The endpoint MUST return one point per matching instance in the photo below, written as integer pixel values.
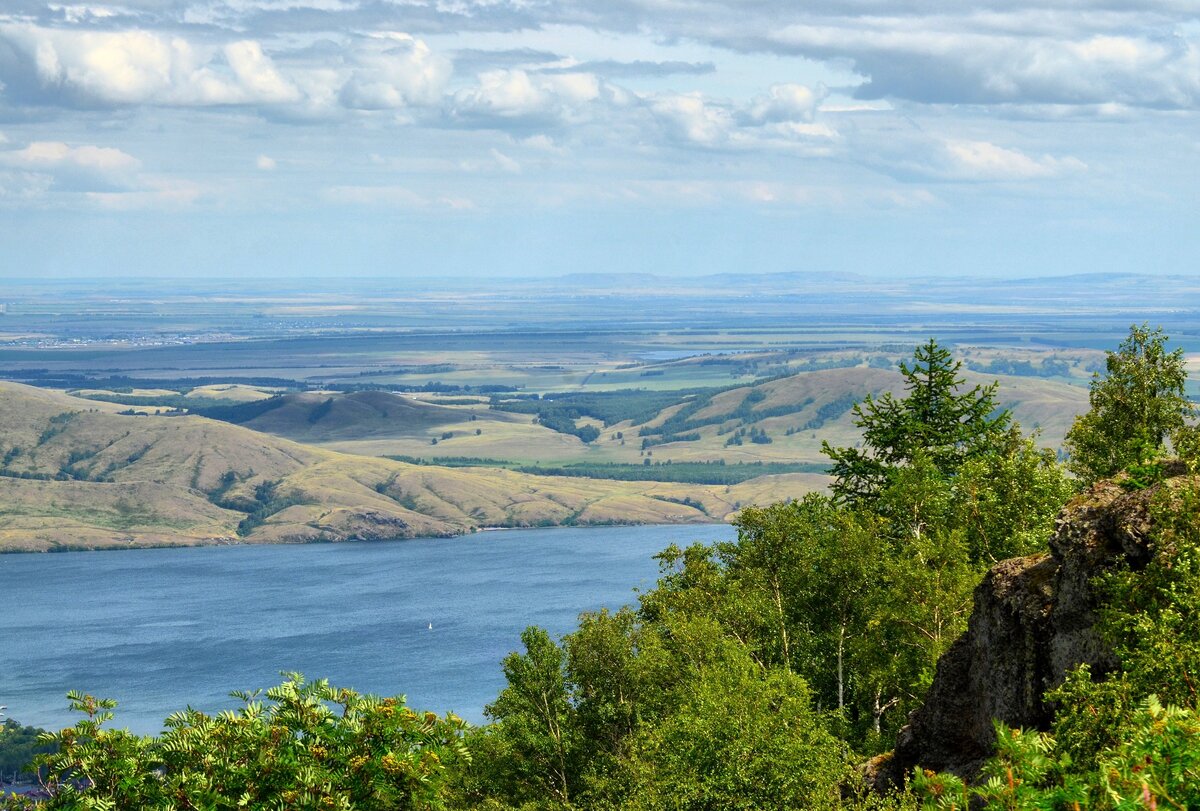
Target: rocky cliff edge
(1033, 620)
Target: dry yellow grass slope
(74, 475)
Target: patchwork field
(796, 413)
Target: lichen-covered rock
(1034, 619)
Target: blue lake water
(159, 629)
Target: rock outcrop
(1033, 620)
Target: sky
(502, 138)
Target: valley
(261, 419)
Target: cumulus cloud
(135, 67)
(101, 176)
(784, 102)
(691, 119)
(59, 166)
(265, 162)
(257, 76)
(784, 115)
(1088, 52)
(393, 70)
(124, 68)
(504, 98)
(53, 154)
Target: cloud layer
(343, 110)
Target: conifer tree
(937, 421)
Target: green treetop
(1135, 408)
(937, 421)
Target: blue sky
(497, 138)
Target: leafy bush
(309, 746)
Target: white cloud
(105, 177)
(784, 102)
(76, 14)
(138, 67)
(543, 143)
(690, 118)
(783, 117)
(256, 74)
(265, 163)
(121, 67)
(519, 97)
(393, 70)
(919, 157)
(142, 67)
(42, 155)
(981, 160)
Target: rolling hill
(799, 411)
(319, 416)
(75, 475)
(795, 412)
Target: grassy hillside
(73, 474)
(795, 412)
(323, 416)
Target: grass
(167, 473)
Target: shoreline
(225, 542)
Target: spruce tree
(937, 421)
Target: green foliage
(630, 714)
(1149, 615)
(685, 420)
(1127, 739)
(563, 422)
(1005, 498)
(534, 718)
(1024, 774)
(749, 673)
(936, 419)
(737, 736)
(309, 746)
(1135, 409)
(321, 412)
(1155, 765)
(18, 747)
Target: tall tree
(536, 720)
(937, 420)
(1135, 407)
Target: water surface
(159, 629)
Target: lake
(159, 629)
